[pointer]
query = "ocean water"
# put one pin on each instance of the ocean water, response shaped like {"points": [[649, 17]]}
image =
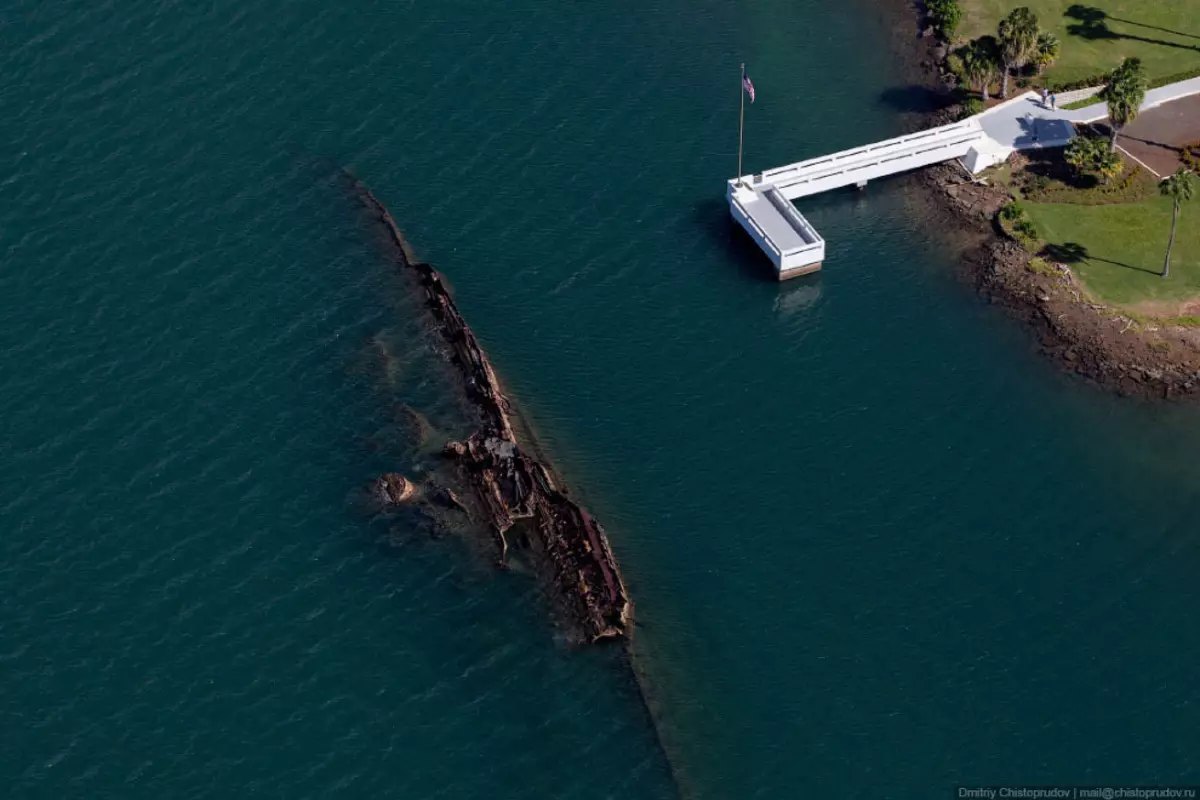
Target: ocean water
{"points": [[878, 546]]}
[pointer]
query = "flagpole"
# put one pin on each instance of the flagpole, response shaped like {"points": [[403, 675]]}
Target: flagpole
{"points": [[741, 121]]}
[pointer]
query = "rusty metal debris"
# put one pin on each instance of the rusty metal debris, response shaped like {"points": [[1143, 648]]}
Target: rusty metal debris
{"points": [[515, 489]]}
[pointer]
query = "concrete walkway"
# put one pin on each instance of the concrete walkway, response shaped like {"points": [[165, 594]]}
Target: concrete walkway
{"points": [[1023, 123]]}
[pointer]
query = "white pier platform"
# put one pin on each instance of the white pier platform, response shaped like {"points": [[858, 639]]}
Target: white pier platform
{"points": [[761, 203], [792, 244]]}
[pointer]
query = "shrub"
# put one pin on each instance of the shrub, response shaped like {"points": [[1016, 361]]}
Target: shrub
{"points": [[1041, 266], [1110, 165], [970, 107], [1015, 221], [1190, 155], [1104, 78], [945, 16], [1084, 83], [1088, 154], [1013, 211], [1084, 103], [1178, 76], [1131, 186], [1122, 186]]}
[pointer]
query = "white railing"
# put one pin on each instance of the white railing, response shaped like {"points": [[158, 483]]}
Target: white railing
{"points": [[912, 138], [750, 221], [812, 240], [887, 163]]}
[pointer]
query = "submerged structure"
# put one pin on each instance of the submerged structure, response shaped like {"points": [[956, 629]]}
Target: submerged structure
{"points": [[515, 493]]}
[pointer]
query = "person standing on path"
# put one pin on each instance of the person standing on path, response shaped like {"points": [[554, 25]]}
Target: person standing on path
{"points": [[1045, 96], [1053, 102]]}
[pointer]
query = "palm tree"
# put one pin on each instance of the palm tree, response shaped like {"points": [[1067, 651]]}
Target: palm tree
{"points": [[979, 58], [1018, 41], [1179, 187], [1125, 93], [1047, 50]]}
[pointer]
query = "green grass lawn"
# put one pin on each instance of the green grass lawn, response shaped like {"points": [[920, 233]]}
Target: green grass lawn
{"points": [[1117, 250], [1165, 34]]}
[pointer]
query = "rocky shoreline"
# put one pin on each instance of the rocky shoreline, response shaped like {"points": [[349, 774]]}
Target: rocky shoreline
{"points": [[517, 497], [1098, 343]]}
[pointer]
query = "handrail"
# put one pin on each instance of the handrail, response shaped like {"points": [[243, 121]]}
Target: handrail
{"points": [[807, 232], [888, 143], [801, 180], [916, 139], [750, 219]]}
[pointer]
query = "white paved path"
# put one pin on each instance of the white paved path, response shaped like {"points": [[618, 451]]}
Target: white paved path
{"points": [[1023, 123]]}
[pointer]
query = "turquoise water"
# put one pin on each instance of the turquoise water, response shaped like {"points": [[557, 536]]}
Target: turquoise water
{"points": [[878, 546]]}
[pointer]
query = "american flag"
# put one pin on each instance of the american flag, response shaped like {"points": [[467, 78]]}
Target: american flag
{"points": [[747, 85]]}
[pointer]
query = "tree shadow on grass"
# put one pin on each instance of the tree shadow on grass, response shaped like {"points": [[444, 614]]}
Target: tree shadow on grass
{"points": [[1091, 23], [1154, 27], [1067, 253], [1074, 253]]}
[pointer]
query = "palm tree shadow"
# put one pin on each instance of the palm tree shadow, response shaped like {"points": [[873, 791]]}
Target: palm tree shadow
{"points": [[1092, 24], [1152, 143], [713, 221], [1073, 253], [1155, 27]]}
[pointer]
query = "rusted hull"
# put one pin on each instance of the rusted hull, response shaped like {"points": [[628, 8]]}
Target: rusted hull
{"points": [[512, 485]]}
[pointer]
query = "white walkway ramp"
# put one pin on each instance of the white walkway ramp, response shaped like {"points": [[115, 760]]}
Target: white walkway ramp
{"points": [[862, 164], [762, 205]]}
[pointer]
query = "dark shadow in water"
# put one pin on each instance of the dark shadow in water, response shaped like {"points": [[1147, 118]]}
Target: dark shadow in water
{"points": [[712, 217], [799, 295], [1092, 24], [1073, 253], [916, 99]]}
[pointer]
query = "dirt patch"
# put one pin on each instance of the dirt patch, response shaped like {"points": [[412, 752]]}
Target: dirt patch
{"points": [[1169, 308], [1156, 137]]}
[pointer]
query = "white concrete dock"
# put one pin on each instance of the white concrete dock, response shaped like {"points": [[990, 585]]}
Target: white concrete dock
{"points": [[792, 244], [761, 202]]}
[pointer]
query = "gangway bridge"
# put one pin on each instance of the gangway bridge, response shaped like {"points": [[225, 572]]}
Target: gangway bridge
{"points": [[762, 202]]}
